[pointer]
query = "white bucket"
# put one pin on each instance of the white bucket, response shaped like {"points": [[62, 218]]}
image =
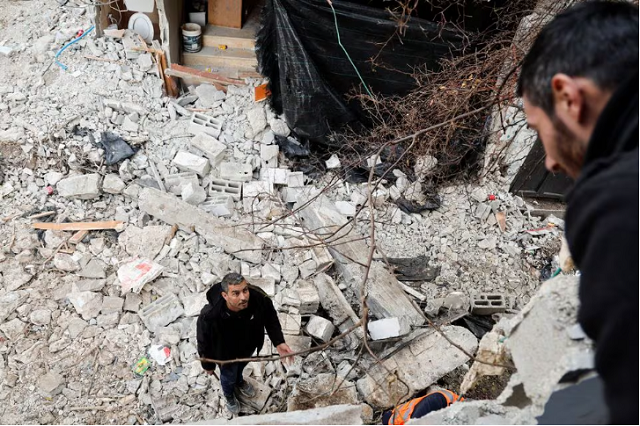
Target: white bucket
{"points": [[191, 37]]}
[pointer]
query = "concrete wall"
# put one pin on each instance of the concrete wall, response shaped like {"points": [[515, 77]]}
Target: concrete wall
{"points": [[333, 415]]}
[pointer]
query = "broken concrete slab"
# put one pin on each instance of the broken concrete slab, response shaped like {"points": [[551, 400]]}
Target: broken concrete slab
{"points": [[386, 297], [14, 329], [258, 402], [330, 415], [538, 341], [336, 305], [13, 276], [84, 187], [161, 312], [233, 239], [112, 184], [420, 364], [65, 262], [87, 303], [193, 304], [50, 384], [144, 242], [473, 413], [93, 269], [323, 390]]}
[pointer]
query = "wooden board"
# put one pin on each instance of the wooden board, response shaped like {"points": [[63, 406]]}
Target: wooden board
{"points": [[226, 13]]}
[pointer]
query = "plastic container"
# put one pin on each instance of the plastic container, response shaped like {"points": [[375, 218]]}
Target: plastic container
{"points": [[191, 37]]}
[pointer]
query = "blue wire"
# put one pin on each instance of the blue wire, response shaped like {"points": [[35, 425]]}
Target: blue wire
{"points": [[64, 67], [335, 19]]}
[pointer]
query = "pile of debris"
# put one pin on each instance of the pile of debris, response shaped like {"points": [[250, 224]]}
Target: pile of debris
{"points": [[142, 202]]}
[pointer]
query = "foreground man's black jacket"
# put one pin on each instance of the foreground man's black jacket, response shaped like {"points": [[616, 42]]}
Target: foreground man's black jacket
{"points": [[224, 335], [602, 231]]}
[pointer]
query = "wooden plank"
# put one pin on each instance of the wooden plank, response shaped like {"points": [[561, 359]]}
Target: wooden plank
{"points": [[78, 236], [230, 58], [386, 297], [226, 13], [192, 72], [78, 226]]}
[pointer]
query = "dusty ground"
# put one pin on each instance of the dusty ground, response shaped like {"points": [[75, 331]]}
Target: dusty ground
{"points": [[58, 366]]}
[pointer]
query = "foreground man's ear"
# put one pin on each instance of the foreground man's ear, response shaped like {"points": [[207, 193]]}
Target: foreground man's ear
{"points": [[568, 100]]}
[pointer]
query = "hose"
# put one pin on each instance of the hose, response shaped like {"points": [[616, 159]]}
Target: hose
{"points": [[64, 67]]}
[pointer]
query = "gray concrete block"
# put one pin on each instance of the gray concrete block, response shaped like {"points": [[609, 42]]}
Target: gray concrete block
{"points": [[201, 123], [320, 328], [188, 162], [488, 303], [224, 186], [210, 147], [220, 205], [176, 182], [237, 172], [161, 313]]}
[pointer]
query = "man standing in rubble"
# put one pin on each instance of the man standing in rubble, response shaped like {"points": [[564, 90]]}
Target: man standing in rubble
{"points": [[231, 326], [579, 83]]}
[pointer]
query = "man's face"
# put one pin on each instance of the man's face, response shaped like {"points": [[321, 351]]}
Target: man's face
{"points": [[237, 297], [564, 152]]}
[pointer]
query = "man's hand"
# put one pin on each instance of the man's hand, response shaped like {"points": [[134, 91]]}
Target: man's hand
{"points": [[284, 349], [210, 372]]}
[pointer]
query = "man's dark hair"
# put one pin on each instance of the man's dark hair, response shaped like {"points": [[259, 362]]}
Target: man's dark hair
{"points": [[232, 278], [595, 39]]}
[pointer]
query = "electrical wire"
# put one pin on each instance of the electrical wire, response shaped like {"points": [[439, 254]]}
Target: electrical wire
{"points": [[335, 19], [55, 59]]}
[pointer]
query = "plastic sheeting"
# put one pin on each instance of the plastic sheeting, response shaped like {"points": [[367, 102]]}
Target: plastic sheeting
{"points": [[309, 73]]}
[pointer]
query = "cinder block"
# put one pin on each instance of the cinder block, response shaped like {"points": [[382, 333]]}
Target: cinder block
{"points": [[309, 297], [269, 155], [201, 123], [268, 285], [290, 323], [257, 188], [275, 176], [175, 183], [161, 313], [223, 186], [488, 303], [220, 205], [295, 180], [236, 171], [320, 328], [188, 162], [210, 147], [291, 195]]}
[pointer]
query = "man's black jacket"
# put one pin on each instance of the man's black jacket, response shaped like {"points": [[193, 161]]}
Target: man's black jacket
{"points": [[602, 232], [223, 334]]}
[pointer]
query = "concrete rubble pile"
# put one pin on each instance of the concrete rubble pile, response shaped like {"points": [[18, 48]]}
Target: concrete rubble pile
{"points": [[207, 192]]}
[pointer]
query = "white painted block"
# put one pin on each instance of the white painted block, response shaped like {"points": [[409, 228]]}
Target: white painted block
{"points": [[201, 123], [211, 147], [295, 180], [236, 171], [186, 161]]}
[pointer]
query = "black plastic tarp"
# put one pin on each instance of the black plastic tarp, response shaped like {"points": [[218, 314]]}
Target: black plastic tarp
{"points": [[309, 73]]}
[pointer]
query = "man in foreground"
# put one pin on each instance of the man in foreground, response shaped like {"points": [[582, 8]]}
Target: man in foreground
{"points": [[232, 326], [579, 83]]}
